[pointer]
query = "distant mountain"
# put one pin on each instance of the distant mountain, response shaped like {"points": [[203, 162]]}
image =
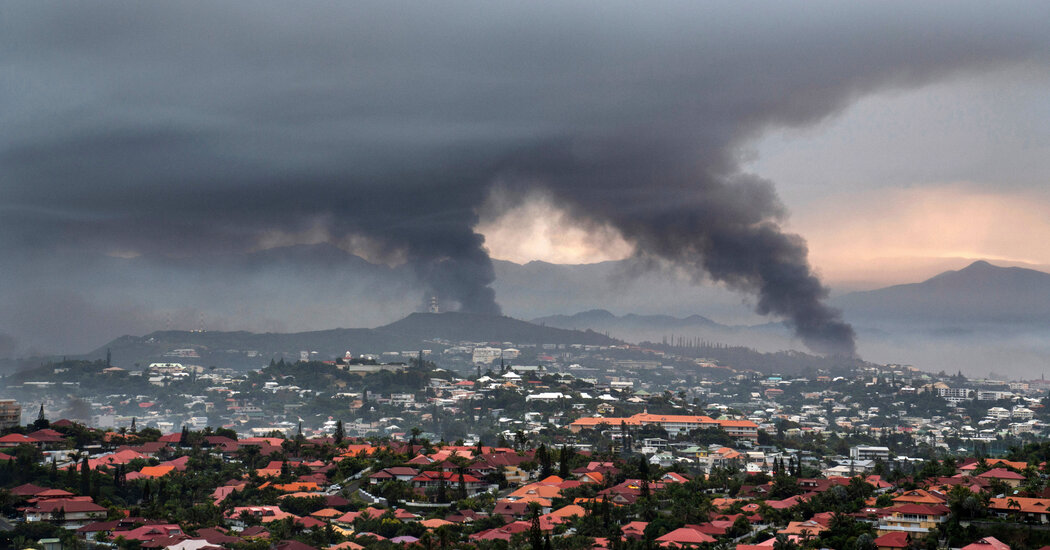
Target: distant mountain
{"points": [[656, 328], [980, 293], [248, 350], [538, 289], [602, 319], [296, 288]]}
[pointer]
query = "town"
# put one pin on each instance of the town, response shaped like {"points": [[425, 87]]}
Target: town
{"points": [[504, 445]]}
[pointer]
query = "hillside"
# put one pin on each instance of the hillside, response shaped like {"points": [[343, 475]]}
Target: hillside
{"points": [[482, 328], [417, 331], [600, 319], [980, 293], [636, 328]]}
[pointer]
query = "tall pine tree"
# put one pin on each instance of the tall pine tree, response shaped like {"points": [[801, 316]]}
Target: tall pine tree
{"points": [[85, 477]]}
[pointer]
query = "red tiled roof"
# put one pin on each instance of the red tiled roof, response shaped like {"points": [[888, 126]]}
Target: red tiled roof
{"points": [[895, 539]]}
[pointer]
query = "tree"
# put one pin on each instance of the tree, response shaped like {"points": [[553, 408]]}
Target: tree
{"points": [[462, 491], [442, 494], [782, 542], [248, 455], [565, 457], [864, 542], [85, 477], [544, 458], [741, 526], [340, 433], [535, 533]]}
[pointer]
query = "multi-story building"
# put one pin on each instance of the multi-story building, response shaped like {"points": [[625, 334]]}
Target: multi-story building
{"points": [[485, 356], [998, 413], [917, 519], [10, 413], [955, 393], [993, 395], [866, 452], [1022, 413]]}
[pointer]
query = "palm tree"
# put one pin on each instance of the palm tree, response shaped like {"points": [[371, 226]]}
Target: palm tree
{"points": [[1011, 503], [783, 542], [248, 455], [522, 439]]}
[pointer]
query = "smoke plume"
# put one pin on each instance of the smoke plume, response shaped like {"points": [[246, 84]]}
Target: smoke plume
{"points": [[182, 132]]}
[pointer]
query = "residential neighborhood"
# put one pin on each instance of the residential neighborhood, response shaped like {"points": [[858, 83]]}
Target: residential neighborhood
{"points": [[560, 453]]}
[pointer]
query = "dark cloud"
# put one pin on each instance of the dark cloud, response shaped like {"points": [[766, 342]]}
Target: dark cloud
{"points": [[189, 129]]}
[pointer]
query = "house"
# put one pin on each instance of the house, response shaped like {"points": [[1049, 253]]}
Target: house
{"points": [[149, 472], [451, 480], [147, 533], [1031, 509], [398, 473], [917, 519], [69, 513], [987, 543], [919, 496], [48, 438], [27, 490], [634, 530], [973, 464], [803, 528], [14, 440], [894, 540], [548, 488], [1009, 477], [265, 514], [685, 536]]}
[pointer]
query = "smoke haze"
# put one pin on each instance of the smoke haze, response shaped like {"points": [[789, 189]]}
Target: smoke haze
{"points": [[185, 132]]}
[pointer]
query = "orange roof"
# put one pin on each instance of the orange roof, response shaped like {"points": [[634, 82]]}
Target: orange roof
{"points": [[641, 419], [1021, 504], [595, 477], [298, 486], [536, 490], [358, 449], [156, 471], [803, 527], [544, 502], [685, 536], [919, 496], [995, 462], [567, 512]]}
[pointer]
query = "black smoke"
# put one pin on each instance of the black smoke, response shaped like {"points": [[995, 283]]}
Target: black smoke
{"points": [[185, 132]]}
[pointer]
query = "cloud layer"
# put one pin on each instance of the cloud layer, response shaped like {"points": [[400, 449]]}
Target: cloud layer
{"points": [[189, 130]]}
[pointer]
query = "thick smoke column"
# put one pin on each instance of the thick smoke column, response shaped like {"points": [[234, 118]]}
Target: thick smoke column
{"points": [[712, 225]]}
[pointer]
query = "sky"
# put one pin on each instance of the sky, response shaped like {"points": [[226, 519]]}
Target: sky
{"points": [[910, 183], [780, 150]]}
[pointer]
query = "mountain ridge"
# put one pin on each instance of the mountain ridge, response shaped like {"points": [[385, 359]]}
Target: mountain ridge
{"points": [[414, 332], [978, 293]]}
